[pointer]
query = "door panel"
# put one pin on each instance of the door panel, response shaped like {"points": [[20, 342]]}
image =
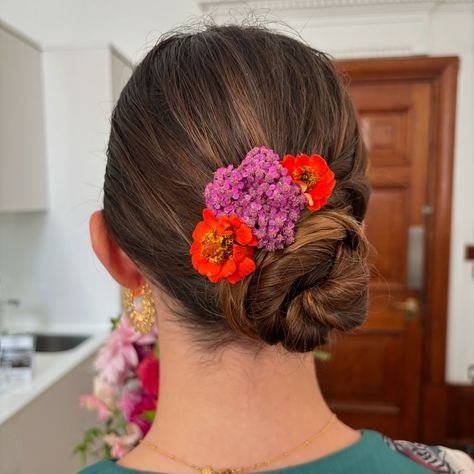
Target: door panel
{"points": [[373, 378]]}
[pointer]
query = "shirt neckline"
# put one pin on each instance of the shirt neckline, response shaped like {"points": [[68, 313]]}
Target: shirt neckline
{"points": [[344, 457]]}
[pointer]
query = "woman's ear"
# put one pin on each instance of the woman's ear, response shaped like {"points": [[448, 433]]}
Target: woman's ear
{"points": [[114, 259]]}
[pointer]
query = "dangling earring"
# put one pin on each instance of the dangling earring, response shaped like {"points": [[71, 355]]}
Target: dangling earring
{"points": [[143, 318]]}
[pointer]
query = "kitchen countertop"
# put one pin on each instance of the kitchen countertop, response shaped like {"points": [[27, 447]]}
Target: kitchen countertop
{"points": [[48, 368]]}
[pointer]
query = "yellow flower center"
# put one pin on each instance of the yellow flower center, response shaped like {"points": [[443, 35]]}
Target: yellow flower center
{"points": [[216, 248], [308, 176]]}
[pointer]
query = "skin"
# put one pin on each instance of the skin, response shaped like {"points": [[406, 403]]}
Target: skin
{"points": [[228, 409]]}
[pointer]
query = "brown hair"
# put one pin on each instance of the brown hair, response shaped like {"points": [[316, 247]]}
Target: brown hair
{"points": [[201, 100]]}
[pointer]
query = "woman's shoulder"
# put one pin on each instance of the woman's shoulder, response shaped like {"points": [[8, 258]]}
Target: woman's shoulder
{"points": [[434, 458], [374, 453], [381, 454]]}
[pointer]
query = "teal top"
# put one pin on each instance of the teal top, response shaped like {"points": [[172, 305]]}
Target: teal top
{"points": [[373, 453]]}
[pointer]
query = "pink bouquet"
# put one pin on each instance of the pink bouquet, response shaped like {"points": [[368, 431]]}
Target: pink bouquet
{"points": [[125, 392]]}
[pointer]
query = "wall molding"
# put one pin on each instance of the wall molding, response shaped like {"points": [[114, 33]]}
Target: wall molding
{"points": [[366, 52], [276, 5]]}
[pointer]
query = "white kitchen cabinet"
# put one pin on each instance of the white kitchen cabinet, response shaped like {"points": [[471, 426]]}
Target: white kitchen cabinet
{"points": [[23, 182], [39, 439]]}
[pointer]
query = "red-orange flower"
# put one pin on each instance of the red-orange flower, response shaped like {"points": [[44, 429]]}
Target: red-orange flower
{"points": [[314, 176], [223, 248]]}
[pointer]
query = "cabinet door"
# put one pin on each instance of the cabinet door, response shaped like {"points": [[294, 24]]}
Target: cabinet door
{"points": [[22, 128]]}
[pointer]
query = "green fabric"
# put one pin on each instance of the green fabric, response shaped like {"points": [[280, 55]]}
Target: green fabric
{"points": [[368, 455]]}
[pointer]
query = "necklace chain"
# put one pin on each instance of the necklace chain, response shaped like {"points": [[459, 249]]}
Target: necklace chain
{"points": [[238, 470]]}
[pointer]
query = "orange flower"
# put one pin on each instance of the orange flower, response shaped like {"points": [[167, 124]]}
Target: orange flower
{"points": [[223, 248], [314, 176]]}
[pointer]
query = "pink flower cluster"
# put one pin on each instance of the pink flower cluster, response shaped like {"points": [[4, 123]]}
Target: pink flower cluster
{"points": [[119, 355], [125, 387], [261, 193]]}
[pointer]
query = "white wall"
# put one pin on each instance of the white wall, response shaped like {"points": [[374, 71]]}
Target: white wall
{"points": [[78, 93], [132, 26], [46, 258]]}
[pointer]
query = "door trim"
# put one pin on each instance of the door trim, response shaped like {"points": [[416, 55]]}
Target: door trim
{"points": [[441, 73]]}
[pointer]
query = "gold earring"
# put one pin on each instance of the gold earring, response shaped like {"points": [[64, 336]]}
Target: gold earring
{"points": [[143, 318]]}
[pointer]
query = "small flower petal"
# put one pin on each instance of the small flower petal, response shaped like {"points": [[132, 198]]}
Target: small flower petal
{"points": [[243, 235], [200, 229]]}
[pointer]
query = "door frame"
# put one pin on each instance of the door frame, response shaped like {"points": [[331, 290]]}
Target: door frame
{"points": [[441, 73]]}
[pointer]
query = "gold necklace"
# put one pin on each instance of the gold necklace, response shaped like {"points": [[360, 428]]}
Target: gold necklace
{"points": [[236, 470]]}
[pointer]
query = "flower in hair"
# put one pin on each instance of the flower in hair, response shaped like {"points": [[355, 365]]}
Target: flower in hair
{"points": [[256, 204], [260, 192], [222, 248], [314, 176]]}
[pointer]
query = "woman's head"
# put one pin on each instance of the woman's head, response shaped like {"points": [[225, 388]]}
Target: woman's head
{"points": [[199, 101]]}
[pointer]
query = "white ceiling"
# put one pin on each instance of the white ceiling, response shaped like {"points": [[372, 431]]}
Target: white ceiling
{"points": [[130, 25]]}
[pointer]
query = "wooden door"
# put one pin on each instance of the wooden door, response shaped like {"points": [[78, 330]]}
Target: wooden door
{"points": [[374, 378]]}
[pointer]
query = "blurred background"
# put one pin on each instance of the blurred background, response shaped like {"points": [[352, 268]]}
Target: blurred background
{"points": [[409, 372]]}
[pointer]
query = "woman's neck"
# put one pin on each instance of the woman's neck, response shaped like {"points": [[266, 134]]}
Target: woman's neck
{"points": [[244, 395], [234, 407]]}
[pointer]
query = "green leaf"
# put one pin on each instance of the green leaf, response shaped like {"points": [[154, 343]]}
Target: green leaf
{"points": [[323, 356], [82, 453], [86, 445], [148, 415], [107, 454], [115, 322], [157, 350]]}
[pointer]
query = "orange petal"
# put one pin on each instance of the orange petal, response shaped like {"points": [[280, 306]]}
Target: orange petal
{"points": [[319, 164], [228, 268], [243, 234], [332, 184], [239, 253], [234, 278], [226, 230], [322, 189], [209, 217], [195, 247], [246, 266], [197, 258], [243, 269], [317, 204], [214, 279], [200, 229], [234, 220], [289, 163], [326, 176], [302, 160], [208, 268], [197, 264]]}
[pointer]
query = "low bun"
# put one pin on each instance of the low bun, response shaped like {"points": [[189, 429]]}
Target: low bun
{"points": [[298, 295], [199, 101]]}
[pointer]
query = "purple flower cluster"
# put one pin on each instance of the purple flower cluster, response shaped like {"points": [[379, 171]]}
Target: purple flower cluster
{"points": [[259, 192]]}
